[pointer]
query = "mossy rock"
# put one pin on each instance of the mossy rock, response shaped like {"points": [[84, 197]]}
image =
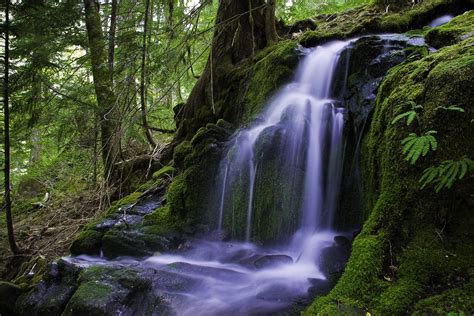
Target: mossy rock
{"points": [[414, 243], [106, 290], [458, 29], [168, 171], [373, 19], [31, 272], [88, 242]]}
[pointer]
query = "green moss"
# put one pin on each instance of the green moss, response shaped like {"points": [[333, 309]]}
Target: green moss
{"points": [[180, 152], [458, 29], [165, 171], [103, 289], [414, 243], [88, 242], [161, 222], [127, 200], [457, 300], [31, 272], [277, 62], [373, 19]]}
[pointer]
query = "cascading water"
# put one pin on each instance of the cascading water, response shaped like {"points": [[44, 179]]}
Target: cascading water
{"points": [[222, 278], [296, 148], [310, 129]]}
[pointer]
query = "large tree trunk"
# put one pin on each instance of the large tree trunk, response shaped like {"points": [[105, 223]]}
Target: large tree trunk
{"points": [[107, 109], [240, 31], [6, 116]]}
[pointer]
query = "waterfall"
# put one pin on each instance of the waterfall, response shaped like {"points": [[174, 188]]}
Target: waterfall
{"points": [[279, 182], [308, 122]]}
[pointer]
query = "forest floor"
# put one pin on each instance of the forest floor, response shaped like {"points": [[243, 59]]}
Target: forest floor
{"points": [[47, 230]]}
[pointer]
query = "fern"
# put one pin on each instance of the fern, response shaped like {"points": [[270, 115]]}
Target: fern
{"points": [[415, 146], [410, 115], [453, 108], [444, 175]]}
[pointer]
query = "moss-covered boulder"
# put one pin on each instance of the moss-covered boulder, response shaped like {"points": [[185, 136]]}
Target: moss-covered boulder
{"points": [[416, 246], [107, 290], [123, 229], [51, 294], [458, 29]]}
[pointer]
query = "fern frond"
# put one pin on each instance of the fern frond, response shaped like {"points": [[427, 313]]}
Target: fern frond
{"points": [[415, 146], [447, 173], [399, 117], [455, 108]]}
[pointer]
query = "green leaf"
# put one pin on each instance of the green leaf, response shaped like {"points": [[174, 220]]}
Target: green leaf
{"points": [[411, 117], [446, 173], [454, 108]]}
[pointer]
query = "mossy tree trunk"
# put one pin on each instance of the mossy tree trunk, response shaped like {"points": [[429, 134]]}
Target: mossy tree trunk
{"points": [[107, 109], [240, 32]]}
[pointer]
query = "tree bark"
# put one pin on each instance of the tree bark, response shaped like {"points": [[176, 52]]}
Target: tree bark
{"points": [[6, 112], [112, 31], [143, 92], [270, 27], [240, 31], [107, 109]]}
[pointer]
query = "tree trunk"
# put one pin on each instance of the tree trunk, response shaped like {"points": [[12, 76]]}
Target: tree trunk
{"points": [[112, 31], [270, 27], [143, 91], [6, 112], [109, 123], [240, 31]]}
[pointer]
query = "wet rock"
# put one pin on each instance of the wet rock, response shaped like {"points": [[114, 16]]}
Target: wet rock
{"points": [[219, 235], [342, 241], [269, 261], [319, 287], [117, 243], [109, 291], [205, 271], [53, 292], [333, 260], [277, 292]]}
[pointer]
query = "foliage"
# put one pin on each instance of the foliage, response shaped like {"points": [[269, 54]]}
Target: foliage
{"points": [[415, 145], [445, 174], [409, 115], [453, 108]]}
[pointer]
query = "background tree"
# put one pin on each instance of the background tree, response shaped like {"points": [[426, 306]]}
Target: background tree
{"points": [[6, 117], [106, 100]]}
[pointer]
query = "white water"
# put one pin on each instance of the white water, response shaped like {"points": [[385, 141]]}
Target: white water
{"points": [[312, 127], [240, 278], [440, 21]]}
